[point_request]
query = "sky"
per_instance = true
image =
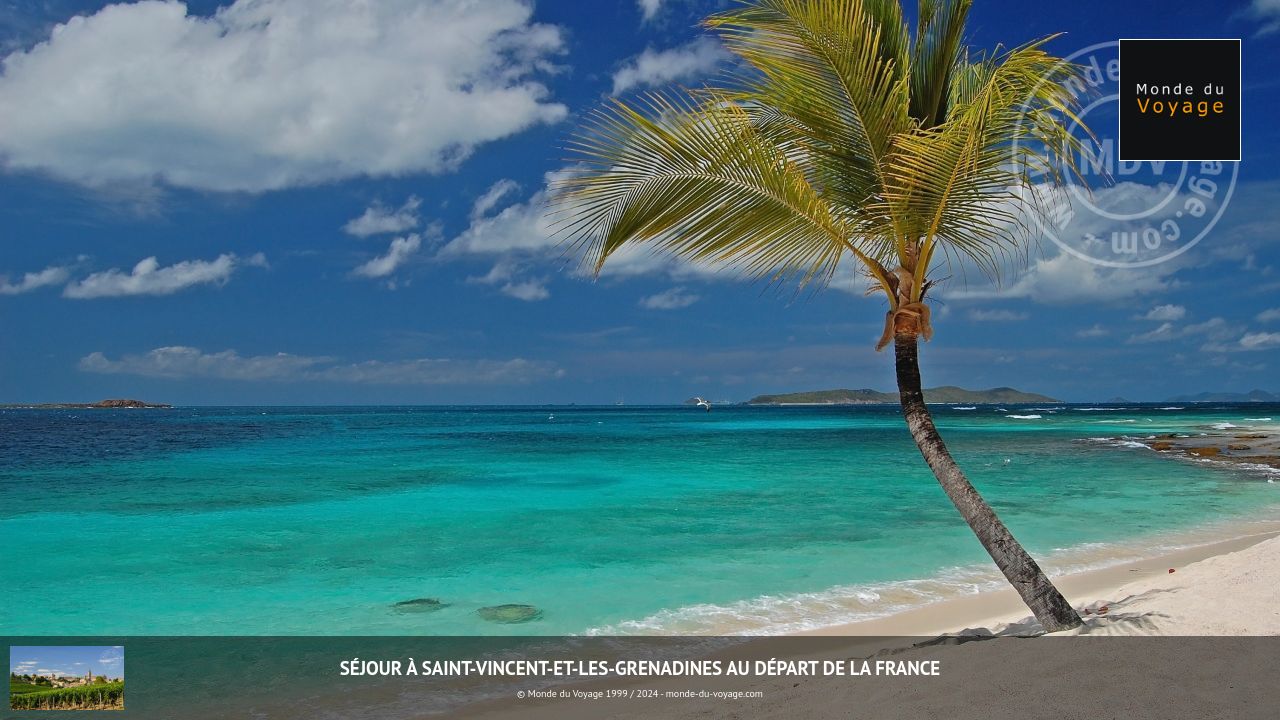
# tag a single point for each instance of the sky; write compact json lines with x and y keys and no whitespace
{"x":67,"y":660}
{"x":336,"y":202}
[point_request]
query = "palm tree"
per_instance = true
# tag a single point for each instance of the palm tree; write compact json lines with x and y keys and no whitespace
{"x":841,"y":136}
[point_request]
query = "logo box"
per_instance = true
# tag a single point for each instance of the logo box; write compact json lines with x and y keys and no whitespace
{"x":1180,"y":100}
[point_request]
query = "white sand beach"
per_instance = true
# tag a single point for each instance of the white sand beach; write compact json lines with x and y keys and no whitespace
{"x":1226,"y":588}
{"x":1221,"y":588}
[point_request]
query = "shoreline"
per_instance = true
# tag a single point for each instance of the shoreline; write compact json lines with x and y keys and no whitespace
{"x":1239,"y":449}
{"x":1221,"y":589}
{"x":996,"y":610}
{"x":942,"y":602}
{"x":1246,"y":450}
{"x":1244,"y":447}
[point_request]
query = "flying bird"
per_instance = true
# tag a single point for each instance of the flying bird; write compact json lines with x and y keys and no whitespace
{"x":703,"y":404}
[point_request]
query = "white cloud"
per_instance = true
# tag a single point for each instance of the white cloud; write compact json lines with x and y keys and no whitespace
{"x":494,"y":195}
{"x":269,"y":94}
{"x":523,"y":233}
{"x":1166,"y":331}
{"x":1247,"y":342}
{"x":378,"y":219}
{"x":527,"y":290}
{"x":519,"y":228}
{"x":148,"y":277}
{"x":399,"y":252}
{"x":1065,"y":279}
{"x":649,"y":8}
{"x":1215,"y":329}
{"x":1095,"y":331}
{"x":996,"y":315}
{"x":1260,"y":341}
{"x":52,"y":275}
{"x":673,"y":299}
{"x":661,"y":67}
{"x":180,"y":362}
{"x":187,"y":362}
{"x":502,"y":271}
{"x":111,"y":655}
{"x":1269,"y":315}
{"x":1268,"y":13}
{"x":504,"y":274}
{"x":517,"y":236}
{"x":1164,"y":313}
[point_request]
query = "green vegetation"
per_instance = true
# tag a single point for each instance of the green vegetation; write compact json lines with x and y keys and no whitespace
{"x":826,"y":397}
{"x":944,"y":394}
{"x":103,"y":696}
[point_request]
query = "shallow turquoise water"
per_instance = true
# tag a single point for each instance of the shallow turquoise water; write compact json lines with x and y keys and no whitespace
{"x":655,"y":519}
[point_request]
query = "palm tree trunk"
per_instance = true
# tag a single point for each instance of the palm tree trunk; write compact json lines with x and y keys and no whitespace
{"x":1046,"y":603}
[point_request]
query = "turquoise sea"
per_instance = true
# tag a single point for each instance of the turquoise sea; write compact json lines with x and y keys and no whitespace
{"x":314,"y":521}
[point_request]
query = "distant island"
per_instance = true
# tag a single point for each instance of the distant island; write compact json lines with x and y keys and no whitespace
{"x":109,"y":403}
{"x":1251,"y":396}
{"x":866,"y":396}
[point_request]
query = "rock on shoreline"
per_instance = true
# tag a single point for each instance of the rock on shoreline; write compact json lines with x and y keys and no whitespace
{"x":1248,"y":447}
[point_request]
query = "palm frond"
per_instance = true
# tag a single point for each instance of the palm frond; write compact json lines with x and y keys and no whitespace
{"x":840,"y":136}
{"x":966,"y":183}
{"x":698,"y":180}
{"x":827,"y":79}
{"x":939,"y":34}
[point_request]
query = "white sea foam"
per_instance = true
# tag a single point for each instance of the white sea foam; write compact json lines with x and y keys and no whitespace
{"x":1024,"y":417}
{"x":1173,"y":408}
{"x":1223,"y":426}
{"x":1118,"y":442}
{"x":787,"y":614}
{"x":1259,"y":419}
{"x":1265,"y":471}
{"x":1097,"y":409}
{"x":966,"y":407}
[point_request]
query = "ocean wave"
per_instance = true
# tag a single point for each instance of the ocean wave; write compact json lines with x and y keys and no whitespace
{"x":1118,"y":442}
{"x":1223,"y":426}
{"x":1024,"y":417}
{"x":1171,"y":408}
{"x":1266,"y":471}
{"x":1258,"y":419}
{"x":1097,"y":409}
{"x":787,"y":614}
{"x":966,"y":407}
{"x":1113,"y":422}
{"x":799,"y":612}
